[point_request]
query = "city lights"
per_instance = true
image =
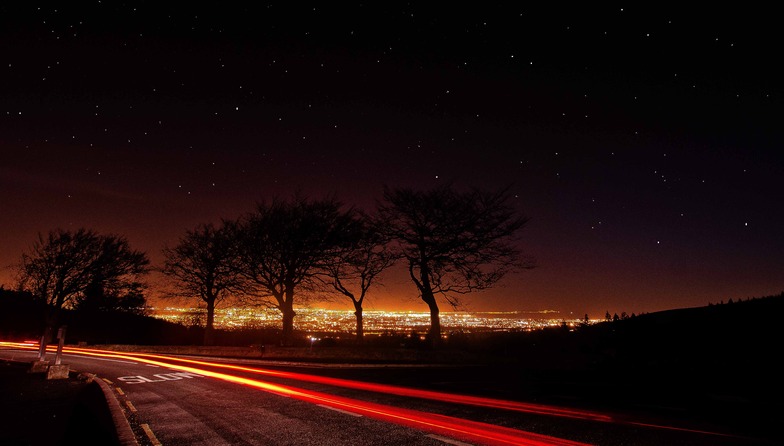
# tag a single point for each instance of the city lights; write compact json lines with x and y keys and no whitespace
{"x":375,"y":322}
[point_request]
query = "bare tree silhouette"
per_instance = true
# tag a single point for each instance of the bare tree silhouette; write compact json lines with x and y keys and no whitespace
{"x":357,"y":267}
{"x":285,"y":245}
{"x":454,"y":242}
{"x":63,"y":268}
{"x":203,"y":265}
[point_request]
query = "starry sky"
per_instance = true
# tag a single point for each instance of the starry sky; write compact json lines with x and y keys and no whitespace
{"x":644,"y":143}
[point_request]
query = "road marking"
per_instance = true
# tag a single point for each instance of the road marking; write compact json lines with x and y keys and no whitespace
{"x":130,"y":406}
{"x":159,"y":377}
{"x":151,"y":435}
{"x":341,"y":411}
{"x":102,"y":359}
{"x":107,"y":381}
{"x":119,"y":390}
{"x":448,"y":440}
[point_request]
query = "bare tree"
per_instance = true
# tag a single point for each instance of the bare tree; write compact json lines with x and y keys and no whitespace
{"x":284,"y":247}
{"x":454,"y":242}
{"x":203,"y":265}
{"x":357,"y":267}
{"x":63,"y":266}
{"x":114,"y":280}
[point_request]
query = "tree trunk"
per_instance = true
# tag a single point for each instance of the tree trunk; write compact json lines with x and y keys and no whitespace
{"x":209,"y":331}
{"x":287,"y":337}
{"x":360,"y":329}
{"x":434,"y":334}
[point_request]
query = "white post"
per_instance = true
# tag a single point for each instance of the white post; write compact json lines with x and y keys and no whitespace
{"x":60,"y":342}
{"x":44,"y":340}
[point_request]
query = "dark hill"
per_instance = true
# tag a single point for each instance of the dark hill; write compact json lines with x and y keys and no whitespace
{"x":726,"y":341}
{"x":21,"y":317}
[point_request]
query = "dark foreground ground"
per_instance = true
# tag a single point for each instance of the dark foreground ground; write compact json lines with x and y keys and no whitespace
{"x":36,"y":411}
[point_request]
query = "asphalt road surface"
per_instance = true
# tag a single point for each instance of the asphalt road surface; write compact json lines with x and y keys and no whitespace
{"x":204,"y":401}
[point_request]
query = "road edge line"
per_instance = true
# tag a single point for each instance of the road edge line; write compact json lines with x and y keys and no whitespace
{"x":125,"y":434}
{"x":151,"y":435}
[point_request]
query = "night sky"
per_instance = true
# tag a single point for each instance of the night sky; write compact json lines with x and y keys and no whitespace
{"x":645,"y":144}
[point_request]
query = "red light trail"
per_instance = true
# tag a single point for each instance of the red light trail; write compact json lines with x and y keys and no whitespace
{"x":455,"y":427}
{"x":465,"y":430}
{"x":405,"y":391}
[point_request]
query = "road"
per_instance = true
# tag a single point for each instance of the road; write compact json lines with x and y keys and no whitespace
{"x":172,"y":400}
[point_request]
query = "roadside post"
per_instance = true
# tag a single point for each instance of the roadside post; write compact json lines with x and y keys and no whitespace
{"x":60,"y":342}
{"x":42,"y":344}
{"x":59,"y":370}
{"x":41,"y":365}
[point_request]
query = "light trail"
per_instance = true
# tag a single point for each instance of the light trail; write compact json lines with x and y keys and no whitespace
{"x":538,"y":409}
{"x":404,"y":391}
{"x":465,"y":430}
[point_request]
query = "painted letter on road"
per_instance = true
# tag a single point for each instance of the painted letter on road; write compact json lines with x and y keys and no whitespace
{"x":160,"y":377}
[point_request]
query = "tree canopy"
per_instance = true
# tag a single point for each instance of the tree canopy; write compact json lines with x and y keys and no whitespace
{"x":203,"y":265}
{"x":357,"y":266}
{"x":70,"y":269}
{"x":454,"y":242}
{"x":285,"y":245}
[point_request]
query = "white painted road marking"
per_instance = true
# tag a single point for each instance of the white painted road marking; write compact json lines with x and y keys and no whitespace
{"x":102,"y":359}
{"x":159,"y":377}
{"x":448,"y":440}
{"x":340,"y":410}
